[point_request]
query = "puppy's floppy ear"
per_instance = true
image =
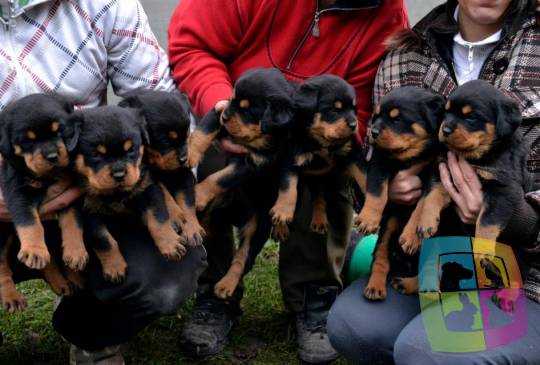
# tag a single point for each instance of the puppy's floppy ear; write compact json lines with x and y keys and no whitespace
{"x":6,"y":148}
{"x":434,"y":112}
{"x":184,"y":101}
{"x":141,"y":123}
{"x":278,"y":114}
{"x":508,"y":117}
{"x":306,"y":98}
{"x":131,"y":101}
{"x":72,"y":129}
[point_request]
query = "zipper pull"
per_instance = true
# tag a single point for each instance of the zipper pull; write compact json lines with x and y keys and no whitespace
{"x":316,"y":32}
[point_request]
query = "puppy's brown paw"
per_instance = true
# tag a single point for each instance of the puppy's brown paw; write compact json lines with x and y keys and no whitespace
{"x":75,"y":278}
{"x":281,"y":214}
{"x":115,"y":271}
{"x":406,"y":286}
{"x":319,"y":224}
{"x":13,"y":301}
{"x":192,"y":234}
{"x":367,"y":222}
{"x":409,"y":242}
{"x":427,"y":226}
{"x":35,"y":257}
{"x":75,"y":257}
{"x":59,"y":284}
{"x":224,"y":288}
{"x":376,"y":287}
{"x":280,"y":232}
{"x":194,"y":156}
{"x":203,"y":197}
{"x":170,"y":246}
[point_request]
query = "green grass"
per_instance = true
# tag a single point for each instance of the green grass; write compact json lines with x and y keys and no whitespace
{"x":264,"y":334}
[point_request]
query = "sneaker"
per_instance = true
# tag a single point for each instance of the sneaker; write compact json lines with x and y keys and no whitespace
{"x":209,"y":324}
{"x":313,"y":344}
{"x":107,"y":356}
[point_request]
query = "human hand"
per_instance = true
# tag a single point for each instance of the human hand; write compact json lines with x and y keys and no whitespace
{"x":225,"y":144}
{"x":406,"y":187}
{"x":58,"y":196}
{"x":463,"y":186}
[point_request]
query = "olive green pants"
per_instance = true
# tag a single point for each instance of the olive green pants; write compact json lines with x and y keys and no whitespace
{"x":306,"y":257}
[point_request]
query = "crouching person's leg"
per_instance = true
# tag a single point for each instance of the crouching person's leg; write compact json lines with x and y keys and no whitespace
{"x":310,"y":265}
{"x":364,"y":332}
{"x":105,"y":315}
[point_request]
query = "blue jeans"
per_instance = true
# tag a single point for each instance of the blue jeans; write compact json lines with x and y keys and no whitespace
{"x":392,"y":331}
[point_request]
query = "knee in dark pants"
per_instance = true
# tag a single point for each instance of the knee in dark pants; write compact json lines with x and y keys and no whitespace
{"x":163,"y":300}
{"x":355,"y":335}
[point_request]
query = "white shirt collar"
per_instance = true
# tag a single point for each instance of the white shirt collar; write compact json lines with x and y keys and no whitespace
{"x":494,"y":38}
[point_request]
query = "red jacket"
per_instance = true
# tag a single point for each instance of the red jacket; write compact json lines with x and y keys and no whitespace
{"x":212,"y":42}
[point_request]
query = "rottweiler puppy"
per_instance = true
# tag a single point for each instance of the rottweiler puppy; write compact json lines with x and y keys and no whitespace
{"x":109,"y":161}
{"x":480,"y":126}
{"x":35,"y":142}
{"x":403,"y":133}
{"x":167,"y":117}
{"x":324,"y":145}
{"x":259,"y":117}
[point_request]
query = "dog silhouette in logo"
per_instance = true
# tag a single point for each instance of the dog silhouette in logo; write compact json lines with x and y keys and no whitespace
{"x":462,"y":320}
{"x":452,"y":274}
{"x":493,"y":273}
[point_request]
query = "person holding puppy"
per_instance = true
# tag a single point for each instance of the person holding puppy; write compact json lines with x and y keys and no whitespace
{"x":459,"y":41}
{"x":75,"y":48}
{"x":210,"y":45}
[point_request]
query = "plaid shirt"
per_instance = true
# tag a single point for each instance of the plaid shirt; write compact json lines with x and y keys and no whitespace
{"x":75,"y":48}
{"x":423,"y":58}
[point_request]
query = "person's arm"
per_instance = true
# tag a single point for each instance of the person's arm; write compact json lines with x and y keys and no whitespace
{"x":58,"y":197}
{"x":203,"y":35}
{"x":135,"y":59}
{"x":465,"y":190}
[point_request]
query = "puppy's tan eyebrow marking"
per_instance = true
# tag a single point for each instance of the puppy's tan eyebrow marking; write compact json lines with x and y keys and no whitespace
{"x":17,"y":149}
{"x":466,"y":109}
{"x":378,"y":109}
{"x":173,"y":135}
{"x":30,"y":134}
{"x":127,"y":145}
{"x":448,"y":105}
{"x":244,"y":103}
{"x":394,"y":113}
{"x":338,"y":104}
{"x":102,"y":149}
{"x":55,"y":126}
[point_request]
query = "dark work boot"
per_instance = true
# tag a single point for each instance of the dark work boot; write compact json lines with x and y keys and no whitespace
{"x":209,"y":324}
{"x":313,"y":344}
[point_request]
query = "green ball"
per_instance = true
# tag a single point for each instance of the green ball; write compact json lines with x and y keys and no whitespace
{"x":362,"y":257}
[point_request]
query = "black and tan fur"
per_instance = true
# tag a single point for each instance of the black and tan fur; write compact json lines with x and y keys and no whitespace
{"x":403,"y":134}
{"x":167,"y":117}
{"x":259,"y":117}
{"x":325,"y":145}
{"x":480,"y":126}
{"x":115,"y":179}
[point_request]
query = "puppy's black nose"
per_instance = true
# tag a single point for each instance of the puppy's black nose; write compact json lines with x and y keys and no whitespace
{"x":225,"y":117}
{"x":446,"y":130}
{"x":119,"y":175}
{"x":52,"y":157}
{"x":352,"y":123}
{"x":375,"y":132}
{"x":182,"y":159}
